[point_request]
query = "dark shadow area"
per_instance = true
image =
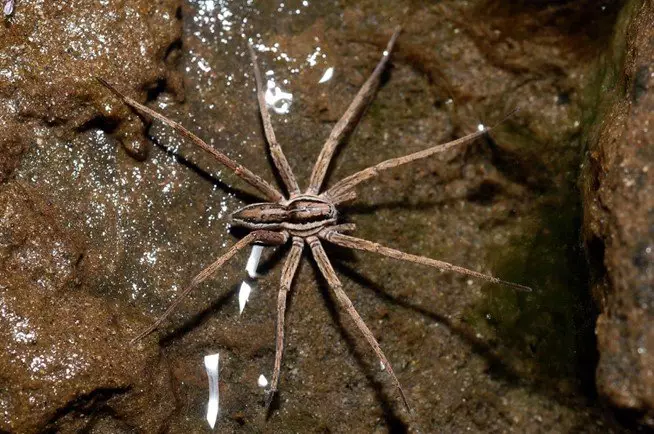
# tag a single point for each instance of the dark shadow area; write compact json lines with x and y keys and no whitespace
{"x":196,"y":320}
{"x":373,"y":208}
{"x":271,"y":261}
{"x":503,"y":370}
{"x":501,"y":365}
{"x":554,"y":326}
{"x":530,"y":172}
{"x":237,"y":193}
{"x":582,"y":22}
{"x":84,"y":406}
{"x":107,"y":124}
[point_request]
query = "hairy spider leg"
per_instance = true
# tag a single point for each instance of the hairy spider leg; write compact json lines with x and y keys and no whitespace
{"x":349,"y":119}
{"x":334,"y":283}
{"x":239,"y":170}
{"x":351,"y":242}
{"x":342,"y":190}
{"x":266,"y":237}
{"x":276,"y":152}
{"x":288,"y":273}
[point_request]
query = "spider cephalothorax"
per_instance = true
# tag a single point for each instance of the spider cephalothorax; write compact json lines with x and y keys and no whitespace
{"x":310,"y":217}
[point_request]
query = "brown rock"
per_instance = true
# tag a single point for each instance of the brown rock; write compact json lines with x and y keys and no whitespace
{"x":50,"y":51}
{"x":618,"y":183}
{"x":64,"y":356}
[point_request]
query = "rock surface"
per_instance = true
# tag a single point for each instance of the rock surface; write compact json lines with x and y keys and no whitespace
{"x":618,"y":183}
{"x":64,"y":362}
{"x":50,"y":53}
{"x":472,"y":357}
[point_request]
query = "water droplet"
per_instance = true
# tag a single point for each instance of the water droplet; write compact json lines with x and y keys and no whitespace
{"x":253,"y":261}
{"x":329,"y":73}
{"x":211,"y":365}
{"x":243,"y":295}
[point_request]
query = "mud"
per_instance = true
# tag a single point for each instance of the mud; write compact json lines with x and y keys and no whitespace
{"x":471,"y":356}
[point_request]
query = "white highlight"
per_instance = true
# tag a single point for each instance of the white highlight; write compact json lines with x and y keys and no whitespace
{"x":381,"y":365}
{"x":329,"y":73}
{"x":211,"y":364}
{"x":203,"y":65}
{"x":262,"y":381}
{"x":243,"y":296}
{"x":481,"y":127}
{"x":9,"y":7}
{"x":253,"y":261}
{"x":277,"y":99}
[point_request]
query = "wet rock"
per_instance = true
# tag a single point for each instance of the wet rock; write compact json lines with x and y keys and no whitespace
{"x":618,"y":183}
{"x":68,"y":364}
{"x":471,"y":357}
{"x":64,"y":362}
{"x":11,"y":149}
{"x":50,"y":52}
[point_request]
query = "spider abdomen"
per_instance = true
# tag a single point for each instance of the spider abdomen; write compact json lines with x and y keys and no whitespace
{"x":302,"y":215}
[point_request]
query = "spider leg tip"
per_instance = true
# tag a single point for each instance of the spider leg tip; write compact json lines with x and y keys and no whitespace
{"x":522,"y":288}
{"x":102,"y":81}
{"x":270,"y":397}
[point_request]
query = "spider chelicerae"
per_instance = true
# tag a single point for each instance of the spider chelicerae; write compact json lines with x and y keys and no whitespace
{"x":309,"y":217}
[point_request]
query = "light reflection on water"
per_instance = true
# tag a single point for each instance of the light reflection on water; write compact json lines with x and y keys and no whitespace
{"x":329,"y":73}
{"x":121,"y":206}
{"x":21,"y":329}
{"x":278,"y":100}
{"x":8,"y":8}
{"x":226,"y":25}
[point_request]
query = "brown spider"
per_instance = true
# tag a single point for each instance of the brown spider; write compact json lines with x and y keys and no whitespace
{"x":311,"y":216}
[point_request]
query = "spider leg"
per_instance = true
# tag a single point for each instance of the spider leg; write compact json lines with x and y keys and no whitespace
{"x":369,"y":246}
{"x":242,"y":172}
{"x":341,"y":191}
{"x":344,"y":227}
{"x":275,"y":149}
{"x":349,"y":119}
{"x":328,"y":272}
{"x":267,"y":237}
{"x":288,"y":273}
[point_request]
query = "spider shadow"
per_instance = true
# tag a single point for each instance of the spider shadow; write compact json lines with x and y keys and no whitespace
{"x":239,"y":194}
{"x":197,"y":319}
{"x":393,"y":421}
{"x":372,"y":208}
{"x":496,"y":364}
{"x":499,"y":367}
{"x":110,"y":125}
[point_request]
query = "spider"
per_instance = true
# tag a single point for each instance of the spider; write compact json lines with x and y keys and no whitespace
{"x":309,"y":217}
